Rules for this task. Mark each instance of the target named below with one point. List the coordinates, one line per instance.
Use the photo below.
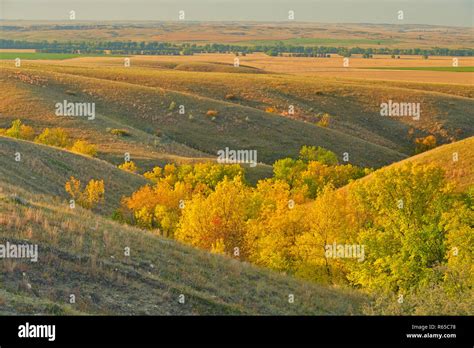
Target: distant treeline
(166, 48)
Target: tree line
(167, 48)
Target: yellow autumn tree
(154, 175)
(273, 232)
(218, 221)
(85, 148)
(20, 131)
(157, 207)
(92, 195)
(332, 218)
(54, 137)
(425, 143)
(459, 226)
(73, 187)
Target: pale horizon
(456, 13)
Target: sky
(434, 12)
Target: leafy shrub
(85, 148)
(90, 197)
(320, 154)
(324, 121)
(54, 137)
(120, 132)
(20, 131)
(425, 144)
(129, 166)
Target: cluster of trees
(89, 197)
(159, 207)
(313, 170)
(57, 137)
(419, 241)
(193, 192)
(274, 49)
(417, 233)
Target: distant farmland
(308, 41)
(42, 56)
(430, 68)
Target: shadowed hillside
(152, 110)
(45, 170)
(83, 254)
(353, 106)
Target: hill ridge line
(163, 90)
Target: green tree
(403, 235)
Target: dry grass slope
(353, 105)
(44, 170)
(238, 126)
(460, 171)
(81, 253)
(457, 159)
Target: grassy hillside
(460, 172)
(37, 110)
(44, 170)
(83, 254)
(154, 110)
(353, 105)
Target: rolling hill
(44, 170)
(186, 105)
(82, 253)
(243, 101)
(154, 110)
(456, 159)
